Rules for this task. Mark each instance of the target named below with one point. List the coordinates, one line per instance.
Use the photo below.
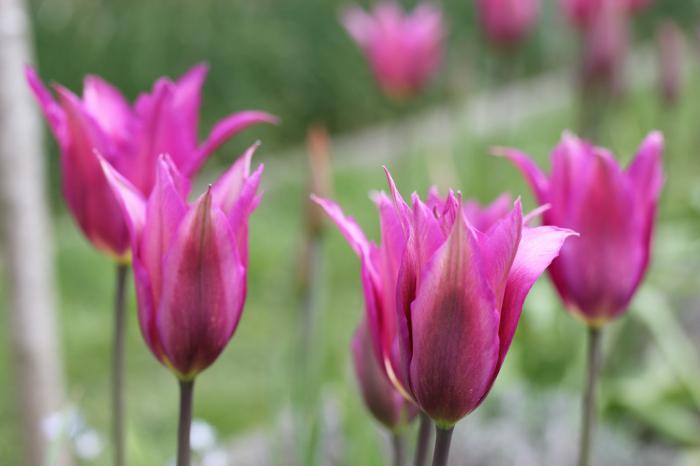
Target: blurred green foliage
(290, 57)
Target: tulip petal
(359, 25)
(347, 226)
(498, 249)
(108, 107)
(537, 179)
(483, 218)
(537, 248)
(85, 187)
(225, 130)
(235, 193)
(131, 201)
(203, 290)
(165, 209)
(52, 111)
(646, 170)
(383, 401)
(187, 100)
(454, 324)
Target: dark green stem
(118, 405)
(589, 398)
(443, 437)
(185, 423)
(399, 445)
(423, 441)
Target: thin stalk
(589, 398)
(118, 405)
(398, 442)
(185, 423)
(443, 437)
(421, 458)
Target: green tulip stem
(443, 437)
(118, 405)
(589, 397)
(185, 423)
(424, 430)
(398, 443)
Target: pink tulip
(190, 260)
(385, 403)
(443, 298)
(670, 44)
(403, 50)
(507, 22)
(605, 45)
(130, 138)
(613, 210)
(582, 13)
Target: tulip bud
(669, 42)
(130, 138)
(507, 22)
(605, 44)
(582, 13)
(613, 209)
(190, 261)
(385, 403)
(403, 50)
(443, 298)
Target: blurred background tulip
(670, 61)
(613, 209)
(404, 50)
(507, 22)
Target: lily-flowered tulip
(444, 298)
(605, 45)
(582, 13)
(507, 22)
(190, 260)
(130, 138)
(670, 53)
(613, 210)
(403, 50)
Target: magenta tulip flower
(605, 45)
(613, 210)
(403, 50)
(507, 22)
(445, 297)
(189, 260)
(130, 138)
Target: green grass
(255, 377)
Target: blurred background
(293, 58)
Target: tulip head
(189, 261)
(613, 209)
(670, 43)
(605, 45)
(403, 50)
(382, 399)
(444, 298)
(507, 22)
(130, 138)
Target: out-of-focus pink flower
(385, 403)
(669, 43)
(605, 45)
(613, 210)
(443, 298)
(190, 260)
(403, 50)
(507, 22)
(130, 138)
(582, 13)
